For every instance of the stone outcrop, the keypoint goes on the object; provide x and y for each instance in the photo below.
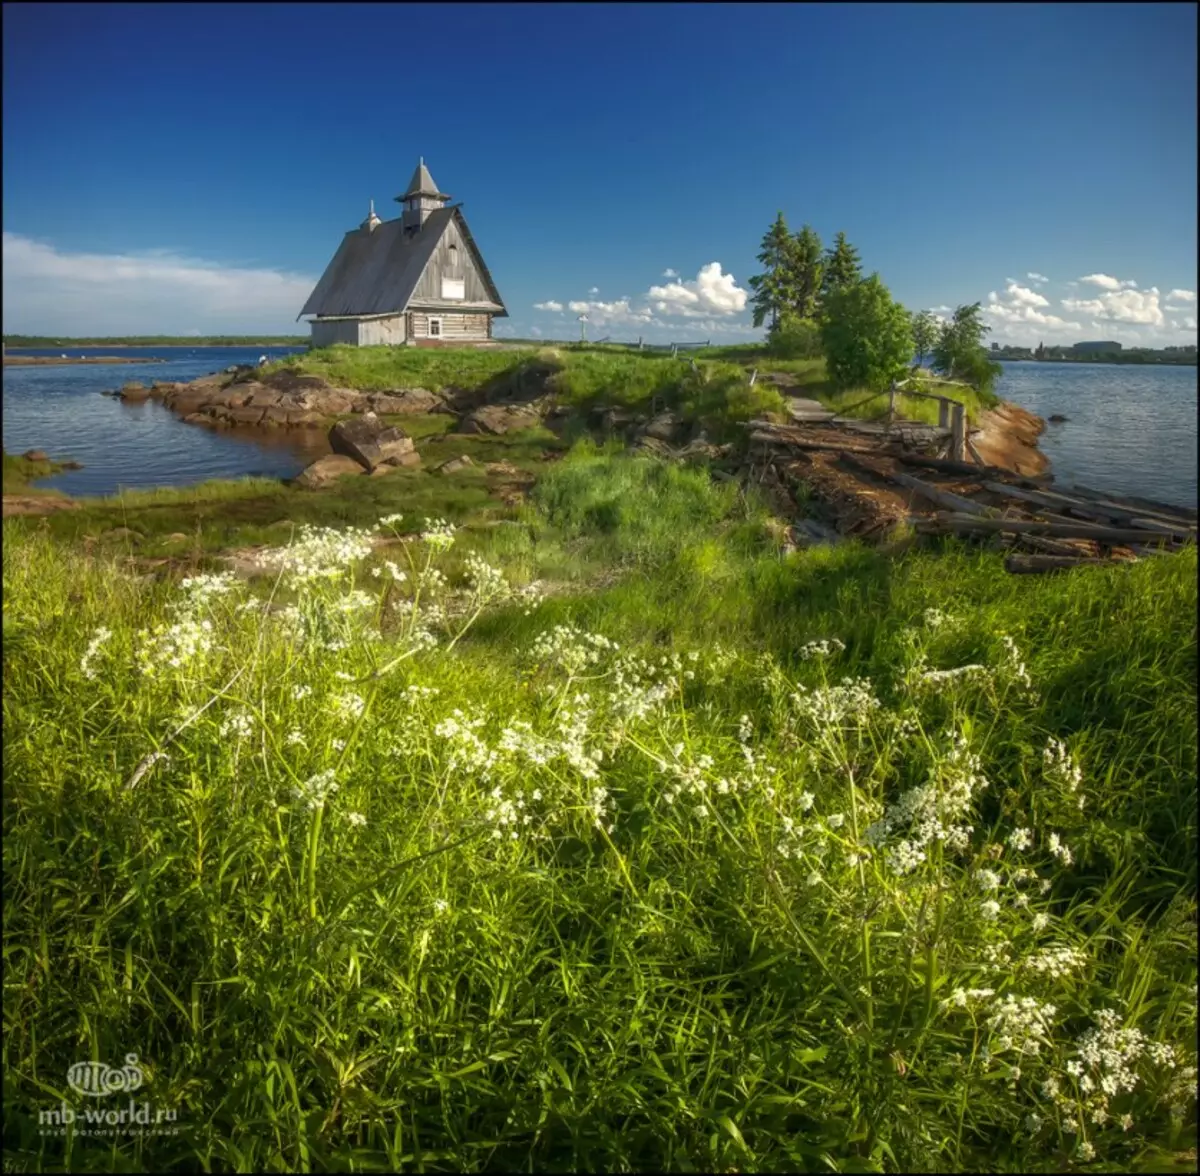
(498, 419)
(282, 399)
(327, 469)
(455, 464)
(135, 392)
(369, 442)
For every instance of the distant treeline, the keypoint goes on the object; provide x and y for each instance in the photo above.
(159, 341)
(1066, 355)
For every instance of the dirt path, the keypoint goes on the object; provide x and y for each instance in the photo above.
(36, 504)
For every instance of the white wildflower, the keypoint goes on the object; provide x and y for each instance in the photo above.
(316, 790)
(99, 637)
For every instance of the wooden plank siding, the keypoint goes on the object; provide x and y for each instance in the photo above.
(452, 259)
(455, 326)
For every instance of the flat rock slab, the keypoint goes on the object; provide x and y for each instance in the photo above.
(327, 469)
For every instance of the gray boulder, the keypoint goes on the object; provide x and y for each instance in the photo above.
(498, 419)
(369, 442)
(326, 470)
(455, 464)
(405, 400)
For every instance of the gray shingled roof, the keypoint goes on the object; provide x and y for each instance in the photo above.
(377, 272)
(422, 184)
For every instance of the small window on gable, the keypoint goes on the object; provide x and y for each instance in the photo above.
(435, 328)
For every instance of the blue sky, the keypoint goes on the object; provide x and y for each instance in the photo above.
(191, 168)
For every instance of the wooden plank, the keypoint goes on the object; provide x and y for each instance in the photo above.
(1147, 504)
(778, 442)
(1089, 509)
(1024, 564)
(1067, 530)
(958, 433)
(942, 498)
(959, 467)
(974, 452)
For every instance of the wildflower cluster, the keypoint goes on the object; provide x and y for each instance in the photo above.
(316, 790)
(849, 703)
(319, 553)
(932, 812)
(572, 649)
(1060, 767)
(824, 648)
(99, 637)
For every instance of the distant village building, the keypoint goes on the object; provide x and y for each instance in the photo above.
(419, 279)
(1100, 348)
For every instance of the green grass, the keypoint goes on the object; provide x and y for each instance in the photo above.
(19, 472)
(657, 972)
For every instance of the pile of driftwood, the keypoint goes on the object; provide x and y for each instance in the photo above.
(1046, 529)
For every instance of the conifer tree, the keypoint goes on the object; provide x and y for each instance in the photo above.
(775, 289)
(842, 266)
(809, 269)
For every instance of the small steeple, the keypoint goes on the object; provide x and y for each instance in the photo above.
(421, 198)
(372, 222)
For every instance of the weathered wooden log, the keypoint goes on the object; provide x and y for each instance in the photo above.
(1148, 505)
(942, 498)
(958, 432)
(1066, 530)
(774, 439)
(1090, 509)
(944, 465)
(1024, 564)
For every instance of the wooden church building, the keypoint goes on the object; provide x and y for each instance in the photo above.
(419, 279)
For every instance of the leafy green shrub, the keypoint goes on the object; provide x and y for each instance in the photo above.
(794, 338)
(866, 335)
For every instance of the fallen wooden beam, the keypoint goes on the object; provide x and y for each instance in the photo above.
(1066, 530)
(942, 498)
(944, 465)
(1024, 564)
(1165, 509)
(779, 442)
(1090, 509)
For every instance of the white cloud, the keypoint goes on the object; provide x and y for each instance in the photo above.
(1017, 295)
(535, 332)
(1020, 306)
(669, 273)
(1036, 277)
(1122, 306)
(1105, 282)
(1187, 323)
(608, 314)
(548, 305)
(594, 290)
(711, 293)
(51, 291)
(1181, 295)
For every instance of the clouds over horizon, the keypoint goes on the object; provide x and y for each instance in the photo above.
(1118, 309)
(709, 302)
(52, 291)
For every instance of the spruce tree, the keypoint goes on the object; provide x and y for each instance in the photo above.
(809, 269)
(842, 266)
(774, 289)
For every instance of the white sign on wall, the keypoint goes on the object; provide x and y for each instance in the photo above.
(454, 288)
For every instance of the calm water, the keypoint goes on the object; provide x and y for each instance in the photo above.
(1130, 430)
(60, 410)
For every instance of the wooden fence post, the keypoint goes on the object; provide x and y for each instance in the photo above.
(753, 377)
(943, 413)
(892, 403)
(958, 434)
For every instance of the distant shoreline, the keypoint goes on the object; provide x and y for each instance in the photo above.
(43, 360)
(162, 343)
